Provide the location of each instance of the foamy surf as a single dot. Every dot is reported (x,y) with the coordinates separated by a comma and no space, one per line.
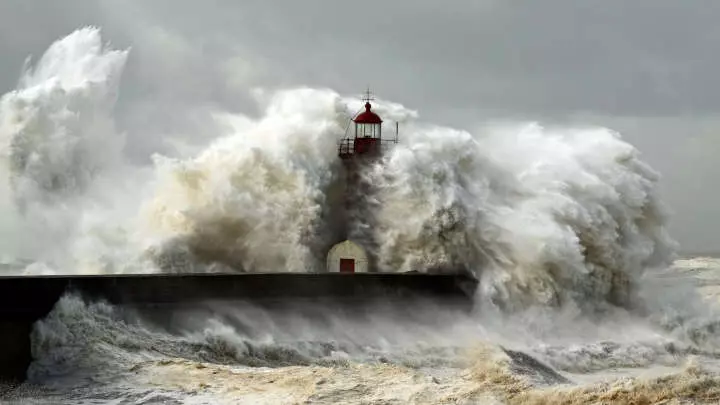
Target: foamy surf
(92,351)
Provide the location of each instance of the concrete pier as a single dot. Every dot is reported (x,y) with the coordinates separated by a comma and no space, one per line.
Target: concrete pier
(26,299)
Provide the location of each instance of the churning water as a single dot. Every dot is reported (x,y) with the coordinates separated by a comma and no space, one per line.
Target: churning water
(580,301)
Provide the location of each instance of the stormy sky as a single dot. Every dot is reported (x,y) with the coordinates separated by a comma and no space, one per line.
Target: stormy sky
(647,68)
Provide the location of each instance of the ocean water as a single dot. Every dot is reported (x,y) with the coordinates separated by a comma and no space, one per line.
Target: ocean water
(582,298)
(92,353)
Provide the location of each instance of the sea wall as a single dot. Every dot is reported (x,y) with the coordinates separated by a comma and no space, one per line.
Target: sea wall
(26,299)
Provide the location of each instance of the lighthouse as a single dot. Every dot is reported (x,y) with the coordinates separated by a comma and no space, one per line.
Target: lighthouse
(361,147)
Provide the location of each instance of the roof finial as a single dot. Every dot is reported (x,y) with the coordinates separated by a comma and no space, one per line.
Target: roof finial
(367,97)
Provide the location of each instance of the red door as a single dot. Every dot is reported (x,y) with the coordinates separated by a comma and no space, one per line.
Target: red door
(347,265)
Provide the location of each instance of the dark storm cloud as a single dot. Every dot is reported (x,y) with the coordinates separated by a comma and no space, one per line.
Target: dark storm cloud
(642,58)
(647,68)
(629,58)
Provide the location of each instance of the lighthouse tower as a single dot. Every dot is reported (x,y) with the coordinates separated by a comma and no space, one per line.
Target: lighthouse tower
(361,147)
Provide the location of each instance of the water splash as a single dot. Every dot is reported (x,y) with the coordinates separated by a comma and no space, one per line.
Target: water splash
(549,217)
(59,149)
(57,129)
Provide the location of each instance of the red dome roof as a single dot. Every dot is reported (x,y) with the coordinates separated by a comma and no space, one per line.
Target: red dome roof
(368,117)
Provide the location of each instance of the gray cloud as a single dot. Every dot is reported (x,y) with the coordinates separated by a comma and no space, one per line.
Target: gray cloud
(646,68)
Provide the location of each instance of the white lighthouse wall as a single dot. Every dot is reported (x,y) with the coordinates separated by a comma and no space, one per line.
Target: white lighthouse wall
(347,250)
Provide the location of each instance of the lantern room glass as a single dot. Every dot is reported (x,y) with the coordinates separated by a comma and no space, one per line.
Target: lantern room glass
(367,130)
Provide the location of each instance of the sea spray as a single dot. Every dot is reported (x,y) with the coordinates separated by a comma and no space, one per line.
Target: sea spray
(544,216)
(57,129)
(549,217)
(59,150)
(251,198)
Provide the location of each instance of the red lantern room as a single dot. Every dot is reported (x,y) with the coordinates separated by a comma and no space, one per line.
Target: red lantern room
(367,136)
(368,124)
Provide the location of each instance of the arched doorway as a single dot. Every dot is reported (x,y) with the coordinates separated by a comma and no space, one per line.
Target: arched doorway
(347,257)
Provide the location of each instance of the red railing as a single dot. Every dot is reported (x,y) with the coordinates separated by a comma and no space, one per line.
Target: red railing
(346,147)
